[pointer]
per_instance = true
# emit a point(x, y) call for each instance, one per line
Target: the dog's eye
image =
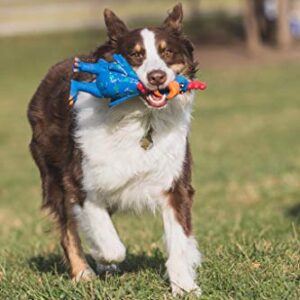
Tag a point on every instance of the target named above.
point(167, 53)
point(138, 55)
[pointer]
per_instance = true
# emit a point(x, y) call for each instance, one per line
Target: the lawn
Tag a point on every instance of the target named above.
point(246, 145)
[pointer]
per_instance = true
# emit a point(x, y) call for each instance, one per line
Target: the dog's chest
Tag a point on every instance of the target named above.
point(114, 163)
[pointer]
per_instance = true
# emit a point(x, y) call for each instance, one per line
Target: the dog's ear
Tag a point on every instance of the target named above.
point(115, 26)
point(175, 18)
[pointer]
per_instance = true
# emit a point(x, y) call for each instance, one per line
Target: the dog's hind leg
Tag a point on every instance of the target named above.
point(70, 241)
point(96, 225)
point(57, 201)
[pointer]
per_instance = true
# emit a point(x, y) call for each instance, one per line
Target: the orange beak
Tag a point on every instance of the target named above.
point(174, 88)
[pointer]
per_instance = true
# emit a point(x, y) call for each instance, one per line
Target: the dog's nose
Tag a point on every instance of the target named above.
point(157, 77)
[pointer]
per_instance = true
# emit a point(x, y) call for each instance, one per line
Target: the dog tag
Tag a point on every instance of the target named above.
point(146, 141)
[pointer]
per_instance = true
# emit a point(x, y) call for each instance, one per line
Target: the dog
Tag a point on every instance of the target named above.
point(94, 160)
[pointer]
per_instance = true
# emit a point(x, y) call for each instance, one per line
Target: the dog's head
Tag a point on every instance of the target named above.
point(157, 54)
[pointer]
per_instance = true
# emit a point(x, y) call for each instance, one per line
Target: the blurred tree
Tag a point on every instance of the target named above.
point(284, 38)
point(254, 43)
point(266, 21)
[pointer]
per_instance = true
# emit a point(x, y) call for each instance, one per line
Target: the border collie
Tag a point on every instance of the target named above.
point(94, 160)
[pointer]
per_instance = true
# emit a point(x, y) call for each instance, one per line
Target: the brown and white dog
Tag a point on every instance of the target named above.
point(91, 159)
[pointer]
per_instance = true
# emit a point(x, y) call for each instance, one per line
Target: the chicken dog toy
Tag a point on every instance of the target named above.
point(118, 82)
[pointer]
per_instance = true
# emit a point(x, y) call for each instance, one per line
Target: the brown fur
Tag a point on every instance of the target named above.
point(54, 149)
point(55, 154)
point(181, 195)
point(71, 244)
point(178, 50)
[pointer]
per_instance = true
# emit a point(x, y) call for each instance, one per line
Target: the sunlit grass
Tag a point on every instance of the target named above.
point(246, 146)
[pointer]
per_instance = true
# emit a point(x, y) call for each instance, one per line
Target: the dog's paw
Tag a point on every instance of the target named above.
point(182, 278)
point(114, 253)
point(194, 291)
point(85, 275)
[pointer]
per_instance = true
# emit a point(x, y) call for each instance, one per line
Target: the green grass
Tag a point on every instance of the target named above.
point(246, 146)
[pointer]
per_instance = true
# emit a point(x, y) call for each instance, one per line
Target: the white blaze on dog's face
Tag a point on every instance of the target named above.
point(157, 54)
point(154, 72)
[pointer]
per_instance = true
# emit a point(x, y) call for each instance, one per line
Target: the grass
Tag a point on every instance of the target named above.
point(246, 146)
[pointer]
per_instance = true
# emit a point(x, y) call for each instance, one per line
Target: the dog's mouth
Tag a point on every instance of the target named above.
point(159, 98)
point(155, 101)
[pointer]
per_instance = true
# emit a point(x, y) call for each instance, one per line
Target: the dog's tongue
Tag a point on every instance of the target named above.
point(156, 101)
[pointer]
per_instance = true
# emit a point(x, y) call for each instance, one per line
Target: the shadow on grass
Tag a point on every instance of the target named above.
point(137, 262)
point(294, 212)
point(50, 263)
point(53, 263)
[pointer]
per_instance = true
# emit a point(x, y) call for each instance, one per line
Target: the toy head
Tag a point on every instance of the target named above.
point(157, 54)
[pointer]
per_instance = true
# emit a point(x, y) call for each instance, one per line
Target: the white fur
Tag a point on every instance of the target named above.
point(153, 61)
point(184, 256)
point(100, 232)
point(114, 165)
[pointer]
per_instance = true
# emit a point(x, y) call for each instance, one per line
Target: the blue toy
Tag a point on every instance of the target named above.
point(119, 82)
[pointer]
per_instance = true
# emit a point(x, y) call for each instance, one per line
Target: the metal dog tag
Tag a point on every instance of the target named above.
point(146, 141)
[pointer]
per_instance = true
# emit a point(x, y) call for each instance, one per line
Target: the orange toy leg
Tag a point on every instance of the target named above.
point(174, 88)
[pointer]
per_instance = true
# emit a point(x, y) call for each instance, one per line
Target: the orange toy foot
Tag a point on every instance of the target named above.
point(174, 89)
point(71, 101)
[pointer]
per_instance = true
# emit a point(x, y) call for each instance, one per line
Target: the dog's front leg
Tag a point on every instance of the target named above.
point(95, 223)
point(182, 249)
